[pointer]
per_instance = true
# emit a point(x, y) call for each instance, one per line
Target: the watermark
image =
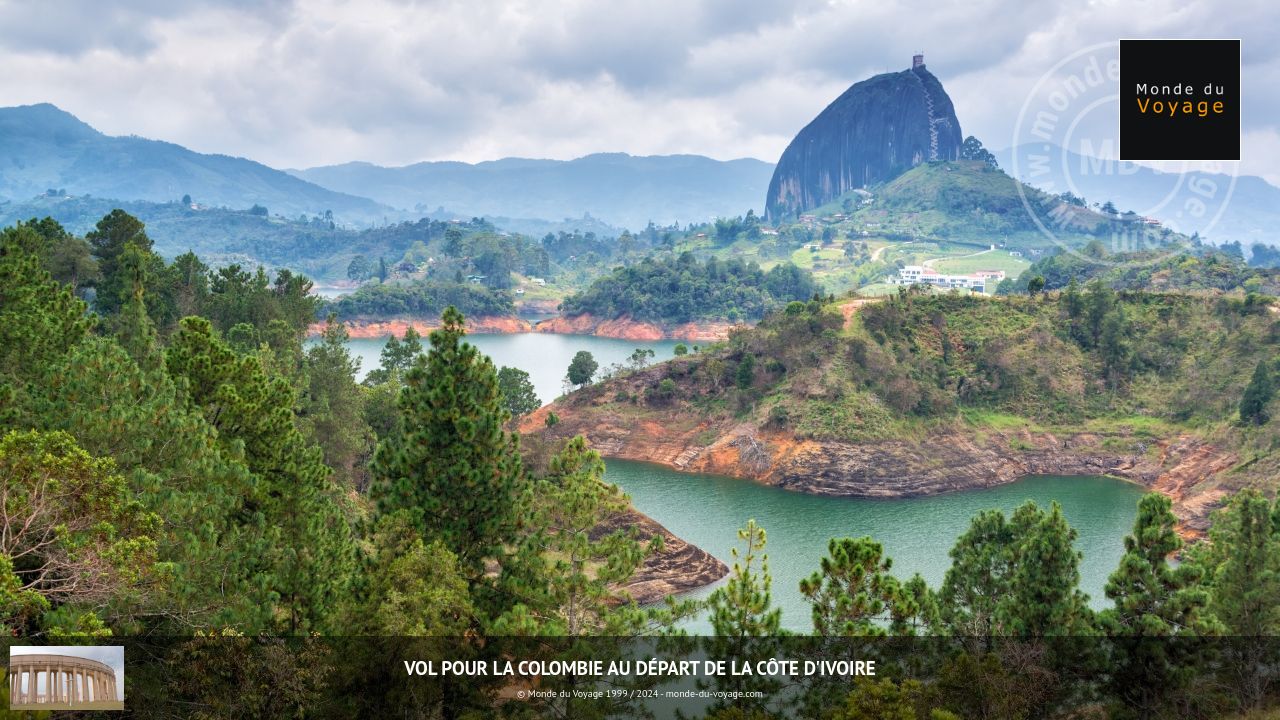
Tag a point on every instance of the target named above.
point(1065, 143)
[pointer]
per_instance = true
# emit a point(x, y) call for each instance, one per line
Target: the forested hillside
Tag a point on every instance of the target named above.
point(1197, 268)
point(682, 289)
point(175, 460)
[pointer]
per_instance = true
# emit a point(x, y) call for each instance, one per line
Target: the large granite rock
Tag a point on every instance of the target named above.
point(878, 129)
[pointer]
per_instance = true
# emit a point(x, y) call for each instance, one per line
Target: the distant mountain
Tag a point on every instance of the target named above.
point(1252, 215)
point(43, 147)
point(875, 131)
point(619, 189)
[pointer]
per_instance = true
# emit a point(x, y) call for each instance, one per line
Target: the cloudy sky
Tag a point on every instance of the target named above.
point(298, 83)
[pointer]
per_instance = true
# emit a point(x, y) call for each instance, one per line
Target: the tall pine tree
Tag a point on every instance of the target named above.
point(452, 467)
point(311, 566)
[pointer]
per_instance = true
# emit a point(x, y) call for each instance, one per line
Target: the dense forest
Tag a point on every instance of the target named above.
point(422, 298)
point(1197, 267)
point(175, 462)
point(681, 289)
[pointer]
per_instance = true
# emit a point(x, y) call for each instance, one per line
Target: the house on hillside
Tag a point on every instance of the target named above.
point(977, 281)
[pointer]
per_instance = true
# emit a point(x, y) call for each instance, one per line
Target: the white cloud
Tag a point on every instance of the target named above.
point(311, 82)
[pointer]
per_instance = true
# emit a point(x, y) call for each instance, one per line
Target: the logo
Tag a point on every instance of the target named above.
point(81, 677)
point(1066, 143)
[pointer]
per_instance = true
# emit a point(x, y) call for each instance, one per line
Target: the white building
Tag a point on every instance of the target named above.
point(980, 281)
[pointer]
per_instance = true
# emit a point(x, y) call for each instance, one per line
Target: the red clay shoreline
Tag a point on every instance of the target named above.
point(622, 328)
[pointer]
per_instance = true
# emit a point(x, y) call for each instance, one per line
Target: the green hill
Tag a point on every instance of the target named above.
point(973, 203)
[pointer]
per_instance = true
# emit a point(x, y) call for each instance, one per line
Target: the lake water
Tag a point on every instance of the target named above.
point(544, 356)
point(707, 510)
point(917, 533)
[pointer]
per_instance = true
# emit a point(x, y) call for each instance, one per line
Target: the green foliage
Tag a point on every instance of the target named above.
point(453, 468)
point(408, 587)
point(745, 375)
point(237, 296)
point(331, 407)
point(743, 606)
point(397, 357)
point(1154, 600)
point(421, 298)
point(888, 700)
point(583, 554)
point(109, 240)
point(681, 350)
point(294, 496)
point(210, 548)
point(1035, 284)
point(74, 535)
point(972, 149)
point(1242, 566)
point(582, 368)
point(682, 289)
point(39, 320)
point(1257, 395)
point(1043, 596)
point(1016, 577)
point(66, 257)
point(518, 395)
point(1190, 267)
point(360, 269)
point(854, 594)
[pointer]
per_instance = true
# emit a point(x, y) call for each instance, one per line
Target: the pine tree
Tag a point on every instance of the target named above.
point(1246, 576)
point(854, 594)
point(1257, 395)
point(1043, 598)
point(398, 355)
point(744, 621)
point(743, 606)
point(109, 240)
point(332, 409)
point(582, 568)
point(312, 564)
point(452, 467)
point(1151, 598)
point(1242, 566)
point(212, 542)
point(408, 588)
point(40, 321)
point(982, 564)
point(1152, 603)
point(133, 326)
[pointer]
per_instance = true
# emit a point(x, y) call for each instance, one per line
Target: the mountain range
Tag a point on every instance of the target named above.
point(620, 189)
point(43, 147)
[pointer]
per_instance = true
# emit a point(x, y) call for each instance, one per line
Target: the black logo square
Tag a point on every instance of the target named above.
point(1180, 99)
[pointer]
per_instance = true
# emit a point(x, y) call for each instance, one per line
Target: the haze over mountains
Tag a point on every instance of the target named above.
point(1252, 214)
point(620, 189)
point(43, 147)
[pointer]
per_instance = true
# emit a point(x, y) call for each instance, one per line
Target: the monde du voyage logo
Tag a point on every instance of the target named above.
point(1179, 99)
